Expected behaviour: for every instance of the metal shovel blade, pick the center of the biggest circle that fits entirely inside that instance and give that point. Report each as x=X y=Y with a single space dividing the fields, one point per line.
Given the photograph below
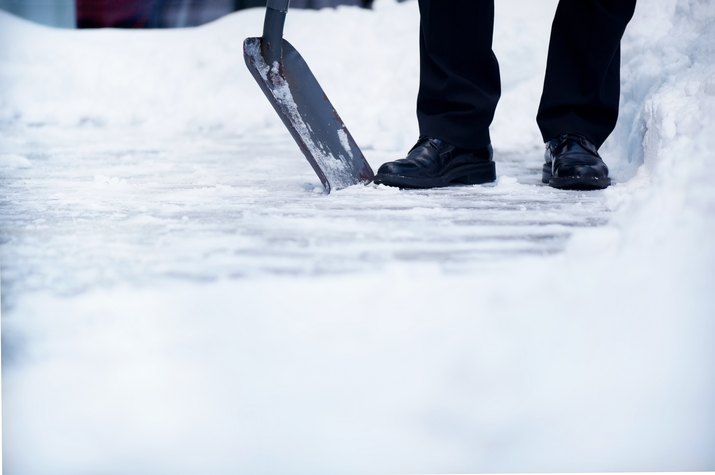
x=305 y=110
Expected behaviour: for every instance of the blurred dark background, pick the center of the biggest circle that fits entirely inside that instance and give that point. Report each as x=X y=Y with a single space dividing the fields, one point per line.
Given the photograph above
x=175 y=13
x=144 y=13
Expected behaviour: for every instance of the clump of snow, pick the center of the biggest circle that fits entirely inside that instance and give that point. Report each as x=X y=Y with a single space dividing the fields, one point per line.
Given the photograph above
x=345 y=142
x=177 y=298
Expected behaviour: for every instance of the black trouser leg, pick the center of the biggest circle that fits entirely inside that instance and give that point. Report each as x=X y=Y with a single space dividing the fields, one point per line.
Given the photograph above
x=459 y=74
x=582 y=85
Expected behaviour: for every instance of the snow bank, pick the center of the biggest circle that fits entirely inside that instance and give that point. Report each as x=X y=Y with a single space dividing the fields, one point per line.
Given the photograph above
x=195 y=80
x=596 y=359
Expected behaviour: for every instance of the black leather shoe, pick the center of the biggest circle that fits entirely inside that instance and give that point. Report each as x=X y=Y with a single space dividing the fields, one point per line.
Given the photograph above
x=434 y=163
x=573 y=163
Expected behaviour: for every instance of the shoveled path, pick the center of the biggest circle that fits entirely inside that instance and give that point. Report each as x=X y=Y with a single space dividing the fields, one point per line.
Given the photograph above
x=87 y=207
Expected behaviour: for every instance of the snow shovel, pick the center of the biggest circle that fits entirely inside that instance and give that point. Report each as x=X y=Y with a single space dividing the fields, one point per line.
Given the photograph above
x=302 y=105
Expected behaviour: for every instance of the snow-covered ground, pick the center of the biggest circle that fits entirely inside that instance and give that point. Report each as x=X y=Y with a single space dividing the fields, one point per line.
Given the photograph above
x=179 y=297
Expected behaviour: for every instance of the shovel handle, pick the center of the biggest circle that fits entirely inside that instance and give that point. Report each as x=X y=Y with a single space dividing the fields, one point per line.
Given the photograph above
x=273 y=30
x=280 y=5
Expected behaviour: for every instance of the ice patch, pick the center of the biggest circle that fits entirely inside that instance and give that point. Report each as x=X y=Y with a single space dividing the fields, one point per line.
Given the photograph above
x=102 y=180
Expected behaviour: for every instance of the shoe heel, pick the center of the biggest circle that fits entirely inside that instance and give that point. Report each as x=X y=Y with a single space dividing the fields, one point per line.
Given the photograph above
x=546 y=173
x=487 y=174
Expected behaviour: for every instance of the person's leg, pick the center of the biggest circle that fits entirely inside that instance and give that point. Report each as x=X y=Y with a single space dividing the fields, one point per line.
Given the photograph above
x=459 y=90
x=582 y=84
x=459 y=74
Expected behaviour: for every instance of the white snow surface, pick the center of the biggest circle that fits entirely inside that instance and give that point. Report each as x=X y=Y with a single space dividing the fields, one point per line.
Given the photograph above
x=178 y=296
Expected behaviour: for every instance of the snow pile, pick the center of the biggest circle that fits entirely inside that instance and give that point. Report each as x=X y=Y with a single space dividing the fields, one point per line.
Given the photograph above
x=668 y=80
x=599 y=358
x=667 y=126
x=195 y=80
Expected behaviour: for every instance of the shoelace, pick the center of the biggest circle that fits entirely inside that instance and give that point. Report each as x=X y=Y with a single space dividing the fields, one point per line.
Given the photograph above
x=422 y=140
x=583 y=141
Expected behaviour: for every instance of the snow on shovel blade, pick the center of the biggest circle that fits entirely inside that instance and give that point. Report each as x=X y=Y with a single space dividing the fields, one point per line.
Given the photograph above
x=300 y=102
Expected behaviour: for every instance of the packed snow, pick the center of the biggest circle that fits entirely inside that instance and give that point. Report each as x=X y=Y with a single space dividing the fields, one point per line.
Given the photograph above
x=179 y=295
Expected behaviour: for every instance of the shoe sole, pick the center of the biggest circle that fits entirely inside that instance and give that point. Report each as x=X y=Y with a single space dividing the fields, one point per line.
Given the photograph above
x=581 y=183
x=473 y=175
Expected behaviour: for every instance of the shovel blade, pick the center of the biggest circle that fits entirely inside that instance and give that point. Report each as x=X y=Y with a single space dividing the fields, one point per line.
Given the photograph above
x=300 y=102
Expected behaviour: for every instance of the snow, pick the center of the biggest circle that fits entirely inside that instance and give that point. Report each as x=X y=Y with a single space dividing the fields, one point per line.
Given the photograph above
x=177 y=298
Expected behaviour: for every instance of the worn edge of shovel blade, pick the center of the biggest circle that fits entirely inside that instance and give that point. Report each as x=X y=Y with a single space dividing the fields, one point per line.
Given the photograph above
x=312 y=121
